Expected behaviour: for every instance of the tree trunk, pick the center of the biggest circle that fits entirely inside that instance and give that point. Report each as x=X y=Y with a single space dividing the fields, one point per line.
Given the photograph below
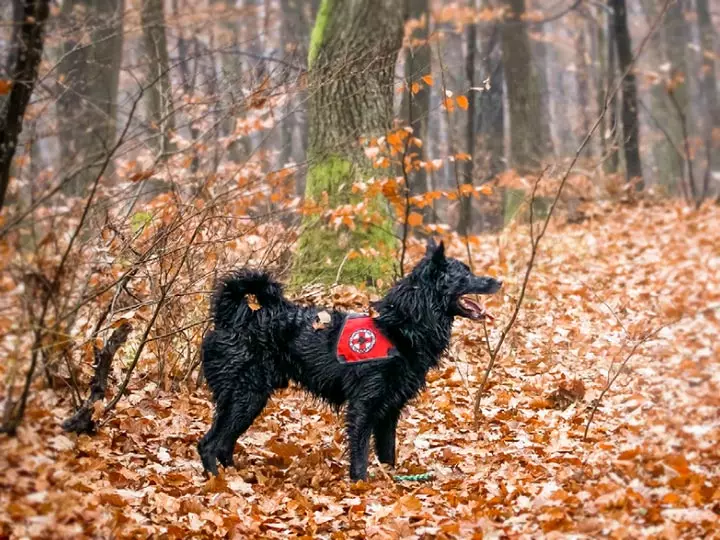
x=582 y=73
x=611 y=141
x=465 y=222
x=562 y=113
x=159 y=94
x=23 y=62
x=665 y=130
x=237 y=18
x=530 y=139
x=416 y=107
x=598 y=51
x=296 y=31
x=188 y=80
x=539 y=47
x=89 y=77
x=631 y=135
x=491 y=113
x=353 y=50
x=708 y=86
x=677 y=38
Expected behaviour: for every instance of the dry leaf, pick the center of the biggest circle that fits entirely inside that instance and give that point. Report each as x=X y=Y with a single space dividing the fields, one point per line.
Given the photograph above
x=322 y=319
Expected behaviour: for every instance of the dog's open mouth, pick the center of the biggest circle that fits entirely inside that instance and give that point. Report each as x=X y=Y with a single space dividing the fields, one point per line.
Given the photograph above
x=471 y=309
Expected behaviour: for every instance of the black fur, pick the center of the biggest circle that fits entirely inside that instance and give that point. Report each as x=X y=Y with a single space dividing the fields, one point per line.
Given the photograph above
x=251 y=353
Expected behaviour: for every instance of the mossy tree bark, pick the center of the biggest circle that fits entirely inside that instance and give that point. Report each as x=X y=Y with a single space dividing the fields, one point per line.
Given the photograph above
x=353 y=50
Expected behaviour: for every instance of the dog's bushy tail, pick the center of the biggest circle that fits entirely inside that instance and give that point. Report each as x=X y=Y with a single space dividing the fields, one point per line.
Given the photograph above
x=230 y=306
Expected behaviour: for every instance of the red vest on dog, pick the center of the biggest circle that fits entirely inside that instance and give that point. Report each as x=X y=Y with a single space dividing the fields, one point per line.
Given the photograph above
x=360 y=340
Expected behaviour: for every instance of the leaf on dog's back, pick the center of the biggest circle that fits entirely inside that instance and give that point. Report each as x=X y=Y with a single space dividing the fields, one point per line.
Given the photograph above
x=252 y=302
x=321 y=320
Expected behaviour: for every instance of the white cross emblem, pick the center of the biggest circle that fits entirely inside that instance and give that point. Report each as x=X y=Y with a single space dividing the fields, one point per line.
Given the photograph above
x=362 y=341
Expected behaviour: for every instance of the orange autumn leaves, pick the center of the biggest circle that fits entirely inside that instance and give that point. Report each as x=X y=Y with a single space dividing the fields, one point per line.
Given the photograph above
x=649 y=470
x=398 y=152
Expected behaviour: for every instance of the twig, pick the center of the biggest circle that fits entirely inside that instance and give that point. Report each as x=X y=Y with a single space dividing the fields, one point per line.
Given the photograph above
x=13 y=423
x=81 y=421
x=494 y=351
x=620 y=368
x=342 y=264
x=165 y=289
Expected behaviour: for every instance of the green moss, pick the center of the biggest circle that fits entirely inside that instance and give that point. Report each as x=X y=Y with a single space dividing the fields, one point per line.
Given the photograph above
x=333 y=175
x=323 y=254
x=318 y=31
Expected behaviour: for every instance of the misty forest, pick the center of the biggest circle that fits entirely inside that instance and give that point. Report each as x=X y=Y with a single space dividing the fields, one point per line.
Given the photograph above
x=570 y=148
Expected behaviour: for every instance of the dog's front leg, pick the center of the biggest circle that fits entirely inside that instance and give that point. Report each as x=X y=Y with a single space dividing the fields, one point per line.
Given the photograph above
x=385 y=437
x=359 y=426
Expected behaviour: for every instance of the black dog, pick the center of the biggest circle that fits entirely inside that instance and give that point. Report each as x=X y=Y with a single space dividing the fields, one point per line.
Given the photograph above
x=251 y=353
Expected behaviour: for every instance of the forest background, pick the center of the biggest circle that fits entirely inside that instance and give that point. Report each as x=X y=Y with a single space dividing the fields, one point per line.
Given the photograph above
x=571 y=147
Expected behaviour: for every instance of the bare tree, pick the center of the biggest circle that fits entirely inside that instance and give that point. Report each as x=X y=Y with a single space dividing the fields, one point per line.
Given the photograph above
x=631 y=129
x=159 y=100
x=416 y=104
x=708 y=79
x=530 y=139
x=88 y=77
x=28 y=36
x=465 y=222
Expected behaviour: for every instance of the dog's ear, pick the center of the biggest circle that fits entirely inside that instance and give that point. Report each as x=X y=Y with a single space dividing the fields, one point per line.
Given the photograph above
x=431 y=246
x=438 y=255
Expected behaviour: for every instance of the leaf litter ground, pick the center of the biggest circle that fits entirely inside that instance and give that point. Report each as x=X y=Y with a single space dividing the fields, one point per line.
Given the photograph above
x=650 y=466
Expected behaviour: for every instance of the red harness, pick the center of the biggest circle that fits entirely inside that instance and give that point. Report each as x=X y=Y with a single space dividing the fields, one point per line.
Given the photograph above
x=360 y=340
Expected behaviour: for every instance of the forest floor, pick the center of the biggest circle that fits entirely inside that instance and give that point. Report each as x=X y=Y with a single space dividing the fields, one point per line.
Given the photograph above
x=650 y=466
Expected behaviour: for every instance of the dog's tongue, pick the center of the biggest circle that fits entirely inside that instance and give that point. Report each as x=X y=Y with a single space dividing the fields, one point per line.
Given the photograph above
x=476 y=309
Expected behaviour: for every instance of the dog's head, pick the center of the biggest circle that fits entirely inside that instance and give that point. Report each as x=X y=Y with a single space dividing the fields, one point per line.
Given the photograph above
x=452 y=280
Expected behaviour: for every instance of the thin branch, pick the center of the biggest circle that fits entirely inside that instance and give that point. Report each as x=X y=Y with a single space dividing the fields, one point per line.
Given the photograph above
x=82 y=421
x=144 y=340
x=494 y=351
x=686 y=143
x=619 y=370
x=12 y=424
x=406 y=225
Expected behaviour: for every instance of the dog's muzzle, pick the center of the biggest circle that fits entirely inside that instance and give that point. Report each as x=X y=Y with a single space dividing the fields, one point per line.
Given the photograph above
x=465 y=307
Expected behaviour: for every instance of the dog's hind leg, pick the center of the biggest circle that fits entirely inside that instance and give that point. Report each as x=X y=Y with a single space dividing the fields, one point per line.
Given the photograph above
x=243 y=410
x=360 y=420
x=208 y=447
x=385 y=436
